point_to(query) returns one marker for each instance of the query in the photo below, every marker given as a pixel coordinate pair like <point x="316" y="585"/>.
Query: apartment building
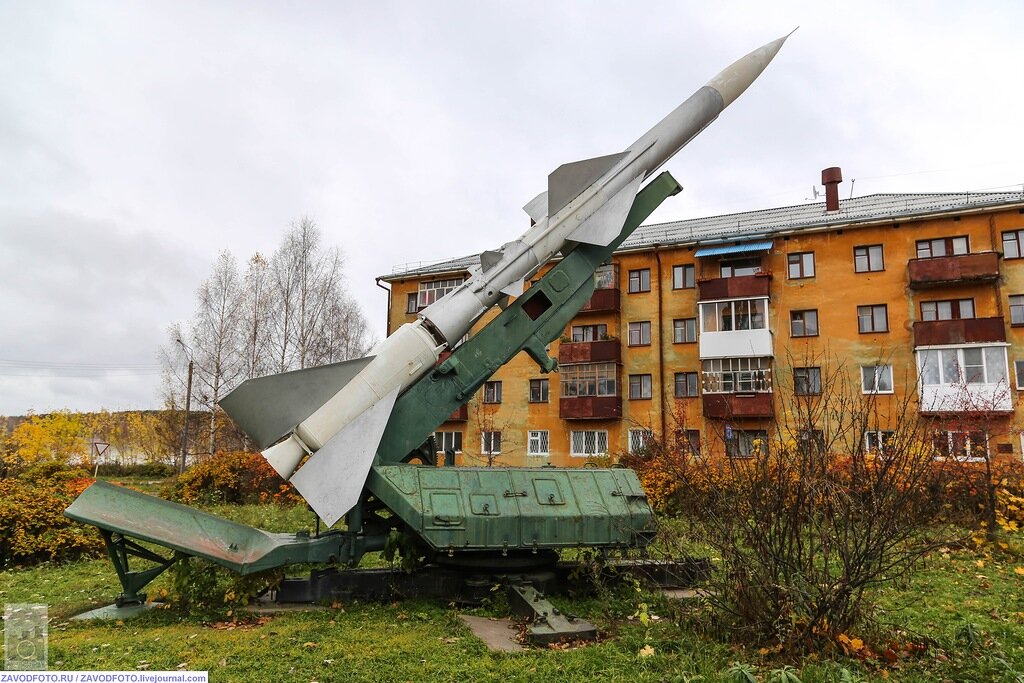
<point x="707" y="326"/>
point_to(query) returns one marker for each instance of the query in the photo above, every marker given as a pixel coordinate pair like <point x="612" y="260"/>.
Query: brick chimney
<point x="830" y="178"/>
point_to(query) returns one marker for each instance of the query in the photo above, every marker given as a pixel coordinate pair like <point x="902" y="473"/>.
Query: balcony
<point x="728" y="406"/>
<point x="969" y="399"/>
<point x="741" y="286"/>
<point x="953" y="270"/>
<point x="461" y="414"/>
<point x="590" y="407"/>
<point x="602" y="300"/>
<point x="969" y="331"/>
<point x="570" y="353"/>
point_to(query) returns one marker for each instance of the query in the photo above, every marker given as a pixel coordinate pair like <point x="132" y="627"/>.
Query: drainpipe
<point x="661" y="345"/>
<point x="387" y="322"/>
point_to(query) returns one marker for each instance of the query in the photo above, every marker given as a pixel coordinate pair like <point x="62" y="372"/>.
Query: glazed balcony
<point x="602" y="301"/>
<point x="739" y="287"/>
<point x="953" y="270"/>
<point x="590" y="407"/>
<point x="968" y="331"/>
<point x="729" y="406"/>
<point x="605" y="351"/>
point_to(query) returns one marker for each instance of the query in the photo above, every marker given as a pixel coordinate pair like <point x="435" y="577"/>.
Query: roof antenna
<point x="853" y="181"/>
<point x="815" y="193"/>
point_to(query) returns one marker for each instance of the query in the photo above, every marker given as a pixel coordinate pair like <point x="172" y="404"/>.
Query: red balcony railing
<point x="727" y="406"/>
<point x="602" y="300"/>
<point x="735" y="287"/>
<point x="589" y="352"/>
<point x="461" y="414"/>
<point x="969" y="331"/>
<point x="951" y="270"/>
<point x="590" y="407"/>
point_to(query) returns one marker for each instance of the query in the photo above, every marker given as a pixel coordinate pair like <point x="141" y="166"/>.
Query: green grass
<point x="424" y="641"/>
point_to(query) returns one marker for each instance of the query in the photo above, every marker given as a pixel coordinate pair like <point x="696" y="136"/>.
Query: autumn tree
<point x="59" y="437"/>
<point x="287" y="312"/>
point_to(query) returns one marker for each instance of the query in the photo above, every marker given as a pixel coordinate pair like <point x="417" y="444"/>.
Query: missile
<point x="342" y="413"/>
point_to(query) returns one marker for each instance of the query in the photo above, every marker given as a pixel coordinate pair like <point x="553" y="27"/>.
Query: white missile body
<point x="586" y="201"/>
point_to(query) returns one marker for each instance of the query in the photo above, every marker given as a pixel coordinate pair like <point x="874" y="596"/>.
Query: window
<point x="684" y="331"/>
<point x="867" y="259"/>
<point x="873" y="318"/>
<point x="745" y="443"/>
<point x="1018" y="369"/>
<point x="803" y="323"/>
<point x="639" y="439"/>
<point x="953" y="309"/>
<point x="412" y="302"/>
<point x="490" y="443"/>
<point x="811" y="440"/>
<point x="1017" y="309"/>
<point x="640" y="280"/>
<point x="739" y="314"/>
<point x="877" y="442"/>
<point x="683" y="277"/>
<point x="1012" y="241"/>
<point x="942" y="246"/>
<point x="732" y="375"/>
<point x="589" y="333"/>
<point x="492" y="392"/>
<point x="538" y="391"/>
<point x="448" y="441"/>
<point x="686" y="384"/>
<point x="432" y="291"/>
<point x="692" y="441"/>
<point x="807" y="381"/>
<point x="969" y="365"/>
<point x="639" y="387"/>
<point x="737" y="267"/>
<point x="604" y="277"/>
<point x="876" y="379"/>
<point x="537" y="442"/>
<point x="640" y="333"/>
<point x="588" y="379"/>
<point x="588" y="442"/>
<point x="961" y="445"/>
<point x="800" y="265"/>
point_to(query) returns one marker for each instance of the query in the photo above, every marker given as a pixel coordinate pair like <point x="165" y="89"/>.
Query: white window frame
<point x="487" y="438"/>
<point x="886" y="367"/>
<point x="743" y="375"/>
<point x="875" y="441"/>
<point x="538" y="443"/>
<point x="639" y="438"/>
<point x="753" y="310"/>
<point x="432" y="290"/>
<point x="598" y="435"/>
<point x="492" y="391"/>
<point x="968" y="446"/>
<point x="589" y="379"/>
<point x="443" y="439"/>
<point x="960" y="365"/>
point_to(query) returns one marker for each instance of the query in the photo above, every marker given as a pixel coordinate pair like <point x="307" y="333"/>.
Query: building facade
<point x="705" y="328"/>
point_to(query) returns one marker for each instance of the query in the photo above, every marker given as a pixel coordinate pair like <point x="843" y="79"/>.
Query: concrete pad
<point x="685" y="593"/>
<point x="499" y="635"/>
<point x="114" y="612"/>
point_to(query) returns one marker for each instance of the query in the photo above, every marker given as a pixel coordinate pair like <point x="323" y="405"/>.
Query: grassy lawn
<point x="425" y="641"/>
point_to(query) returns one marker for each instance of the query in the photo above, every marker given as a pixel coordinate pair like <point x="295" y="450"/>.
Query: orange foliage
<point x="234" y="477"/>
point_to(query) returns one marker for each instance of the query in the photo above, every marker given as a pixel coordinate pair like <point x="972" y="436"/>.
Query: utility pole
<point x="188" y="407"/>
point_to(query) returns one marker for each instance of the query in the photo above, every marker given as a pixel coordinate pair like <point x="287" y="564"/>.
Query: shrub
<point x="146" y="469"/>
<point x="235" y="477"/>
<point x="33" y="527"/>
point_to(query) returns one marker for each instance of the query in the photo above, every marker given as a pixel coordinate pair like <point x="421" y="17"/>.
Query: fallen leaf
<point x="646" y="651"/>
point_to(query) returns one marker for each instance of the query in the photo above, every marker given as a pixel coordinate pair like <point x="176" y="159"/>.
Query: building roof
<point x="764" y="223"/>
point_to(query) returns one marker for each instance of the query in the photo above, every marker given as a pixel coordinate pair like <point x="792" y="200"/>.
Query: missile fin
<point x="267" y="408"/>
<point x="489" y="259"/>
<point x="537" y="208"/>
<point x="332" y="479"/>
<point x="606" y="224"/>
<point x="514" y="289"/>
<point x="568" y="180"/>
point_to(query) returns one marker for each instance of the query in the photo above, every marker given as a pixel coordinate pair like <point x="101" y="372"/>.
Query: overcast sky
<point x="138" y="140"/>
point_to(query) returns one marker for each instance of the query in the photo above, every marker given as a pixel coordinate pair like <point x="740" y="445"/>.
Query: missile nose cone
<point x="737" y="77"/>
